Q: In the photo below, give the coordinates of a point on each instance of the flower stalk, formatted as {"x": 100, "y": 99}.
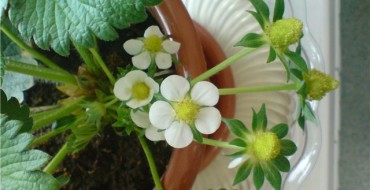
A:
{"x": 58, "y": 158}
{"x": 149, "y": 157}
{"x": 220, "y": 144}
{"x": 101, "y": 63}
{"x": 222, "y": 65}
{"x": 228, "y": 91}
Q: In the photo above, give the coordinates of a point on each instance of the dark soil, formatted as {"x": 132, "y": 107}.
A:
{"x": 109, "y": 162}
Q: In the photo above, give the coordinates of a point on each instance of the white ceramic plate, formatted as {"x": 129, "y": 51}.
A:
{"x": 228, "y": 22}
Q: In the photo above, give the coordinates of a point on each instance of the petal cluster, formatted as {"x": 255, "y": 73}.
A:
{"x": 136, "y": 87}
{"x": 185, "y": 108}
{"x": 141, "y": 119}
{"x": 153, "y": 47}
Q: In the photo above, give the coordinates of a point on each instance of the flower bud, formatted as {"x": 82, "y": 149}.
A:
{"x": 285, "y": 32}
{"x": 318, "y": 84}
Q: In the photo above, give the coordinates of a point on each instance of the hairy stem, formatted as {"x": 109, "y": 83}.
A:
{"x": 222, "y": 65}
{"x": 45, "y": 118}
{"x": 48, "y": 135}
{"x": 151, "y": 163}
{"x": 103, "y": 65}
{"x": 40, "y": 72}
{"x": 29, "y": 49}
{"x": 220, "y": 144}
{"x": 227, "y": 91}
{"x": 87, "y": 57}
{"x": 57, "y": 159}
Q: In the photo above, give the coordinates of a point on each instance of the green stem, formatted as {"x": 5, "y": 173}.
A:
{"x": 102, "y": 65}
{"x": 150, "y": 160}
{"x": 220, "y": 144}
{"x": 48, "y": 135}
{"x": 40, "y": 72}
{"x": 87, "y": 57}
{"x": 33, "y": 52}
{"x": 227, "y": 91}
{"x": 108, "y": 104}
{"x": 45, "y": 118}
{"x": 222, "y": 65}
{"x": 58, "y": 158}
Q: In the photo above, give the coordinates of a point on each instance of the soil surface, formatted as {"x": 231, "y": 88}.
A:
{"x": 109, "y": 162}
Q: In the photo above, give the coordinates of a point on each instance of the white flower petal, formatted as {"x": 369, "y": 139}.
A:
{"x": 175, "y": 88}
{"x": 170, "y": 46}
{"x": 178, "y": 135}
{"x": 154, "y": 86}
{"x": 208, "y": 120}
{"x": 135, "y": 76}
{"x": 152, "y": 134}
{"x": 236, "y": 162}
{"x": 205, "y": 93}
{"x": 142, "y": 61}
{"x": 163, "y": 60}
{"x": 140, "y": 118}
{"x": 161, "y": 115}
{"x": 133, "y": 47}
{"x": 122, "y": 90}
{"x": 153, "y": 30}
{"x": 134, "y": 103}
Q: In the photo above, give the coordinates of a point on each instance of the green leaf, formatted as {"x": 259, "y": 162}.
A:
{"x": 238, "y": 142}
{"x": 281, "y": 130}
{"x": 272, "y": 175}
{"x": 259, "y": 120}
{"x": 3, "y": 5}
{"x": 21, "y": 168}
{"x": 297, "y": 60}
{"x": 258, "y": 176}
{"x": 15, "y": 111}
{"x": 243, "y": 172}
{"x": 262, "y": 9}
{"x": 237, "y": 127}
{"x": 282, "y": 163}
{"x": 252, "y": 40}
{"x": 55, "y": 22}
{"x": 288, "y": 147}
{"x": 278, "y": 10}
{"x": 272, "y": 55}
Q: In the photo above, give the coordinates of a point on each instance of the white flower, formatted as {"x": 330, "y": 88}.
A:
{"x": 186, "y": 107}
{"x": 141, "y": 119}
{"x": 152, "y": 47}
{"x": 136, "y": 88}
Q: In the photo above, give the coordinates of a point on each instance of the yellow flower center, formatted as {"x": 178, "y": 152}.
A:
{"x": 153, "y": 43}
{"x": 266, "y": 146}
{"x": 140, "y": 91}
{"x": 187, "y": 111}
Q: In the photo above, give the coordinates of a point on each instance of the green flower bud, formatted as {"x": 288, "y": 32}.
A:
{"x": 318, "y": 84}
{"x": 285, "y": 32}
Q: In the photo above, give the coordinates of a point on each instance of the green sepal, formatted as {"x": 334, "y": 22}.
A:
{"x": 197, "y": 136}
{"x": 309, "y": 114}
{"x": 258, "y": 176}
{"x": 238, "y": 142}
{"x": 252, "y": 40}
{"x": 262, "y": 9}
{"x": 281, "y": 130}
{"x": 298, "y": 60}
{"x": 259, "y": 120}
{"x": 237, "y": 127}
{"x": 272, "y": 175}
{"x": 288, "y": 147}
{"x": 278, "y": 10}
{"x": 285, "y": 64}
{"x": 243, "y": 172}
{"x": 272, "y": 55}
{"x": 237, "y": 154}
{"x": 259, "y": 19}
{"x": 282, "y": 163}
{"x": 297, "y": 73}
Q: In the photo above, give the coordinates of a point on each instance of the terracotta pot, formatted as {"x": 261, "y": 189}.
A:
{"x": 198, "y": 52}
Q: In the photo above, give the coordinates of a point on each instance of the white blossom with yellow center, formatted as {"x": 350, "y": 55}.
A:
{"x": 152, "y": 47}
{"x": 136, "y": 88}
{"x": 141, "y": 119}
{"x": 185, "y": 107}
